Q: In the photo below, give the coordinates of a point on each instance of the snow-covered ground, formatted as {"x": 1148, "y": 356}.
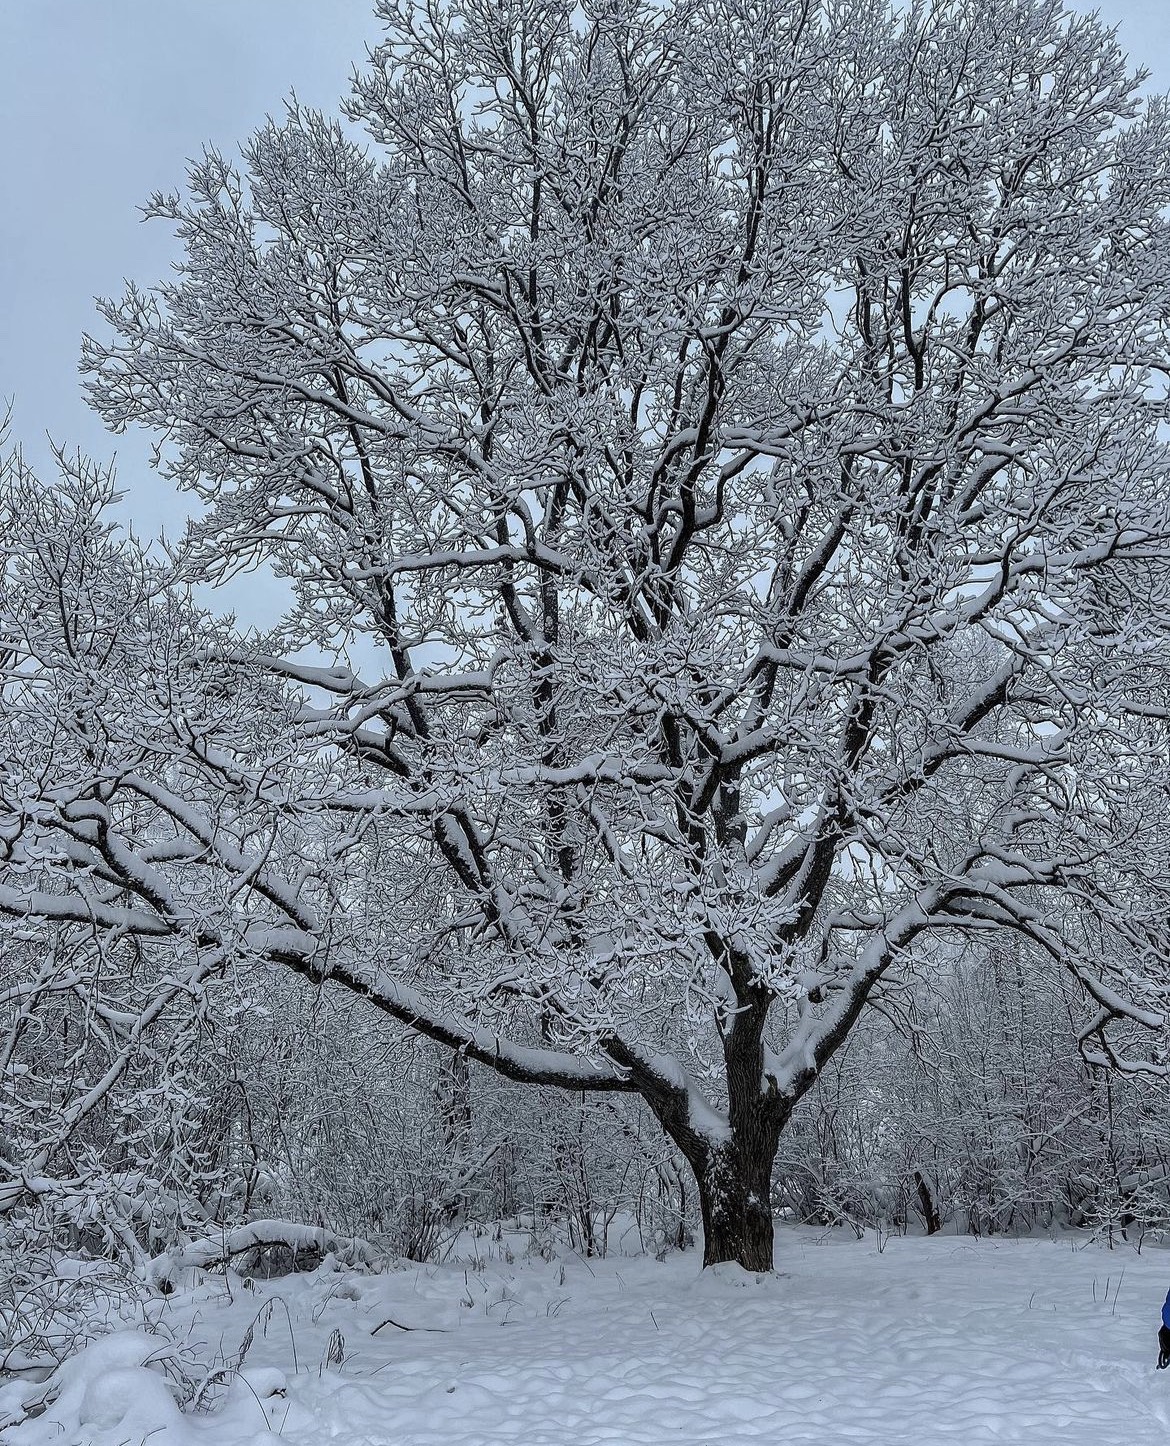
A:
{"x": 923, "y": 1341}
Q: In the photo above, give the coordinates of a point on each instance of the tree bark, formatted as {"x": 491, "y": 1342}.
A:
{"x": 735, "y": 1178}
{"x": 735, "y": 1198}
{"x": 930, "y": 1215}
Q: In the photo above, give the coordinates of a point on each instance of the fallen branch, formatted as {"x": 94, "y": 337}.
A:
{"x": 217, "y": 1250}
{"x": 398, "y": 1326}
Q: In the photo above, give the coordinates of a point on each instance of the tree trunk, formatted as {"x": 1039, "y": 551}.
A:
{"x": 731, "y": 1156}
{"x": 930, "y": 1215}
{"x": 735, "y": 1176}
{"x": 735, "y": 1190}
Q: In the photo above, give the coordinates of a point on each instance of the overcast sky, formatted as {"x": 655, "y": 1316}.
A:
{"x": 102, "y": 102}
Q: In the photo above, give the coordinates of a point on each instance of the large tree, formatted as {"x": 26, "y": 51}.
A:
{"x": 714, "y": 451}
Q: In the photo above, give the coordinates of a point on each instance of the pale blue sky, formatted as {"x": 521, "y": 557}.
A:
{"x": 102, "y": 101}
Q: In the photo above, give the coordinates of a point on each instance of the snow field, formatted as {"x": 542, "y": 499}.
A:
{"x": 947, "y": 1339}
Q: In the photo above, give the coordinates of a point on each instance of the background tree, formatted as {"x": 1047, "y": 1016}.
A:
{"x": 715, "y": 449}
{"x": 968, "y": 1107}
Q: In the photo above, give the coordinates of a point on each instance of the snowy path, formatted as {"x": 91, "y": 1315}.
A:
{"x": 943, "y": 1340}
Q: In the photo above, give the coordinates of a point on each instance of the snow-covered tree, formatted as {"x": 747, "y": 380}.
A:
{"x": 714, "y": 451}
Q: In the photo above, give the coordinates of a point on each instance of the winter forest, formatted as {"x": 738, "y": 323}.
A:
{"x": 702, "y": 822}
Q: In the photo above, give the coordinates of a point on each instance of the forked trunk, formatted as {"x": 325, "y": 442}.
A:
{"x": 731, "y": 1154}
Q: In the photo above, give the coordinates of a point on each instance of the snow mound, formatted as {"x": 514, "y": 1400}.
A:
{"x": 107, "y": 1389}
